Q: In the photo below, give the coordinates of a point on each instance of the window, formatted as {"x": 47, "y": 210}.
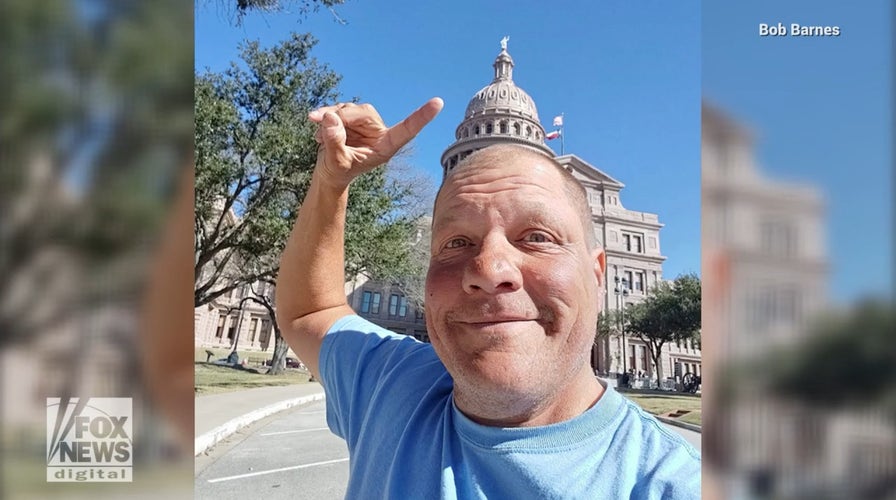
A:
{"x": 631, "y": 358}
{"x": 633, "y": 242}
{"x": 778, "y": 238}
{"x": 476, "y": 130}
{"x": 516, "y": 129}
{"x": 402, "y": 306}
{"x": 503, "y": 127}
{"x": 488, "y": 128}
{"x": 639, "y": 282}
{"x": 628, "y": 279}
{"x": 642, "y": 350}
{"x": 221, "y": 320}
{"x": 265, "y": 336}
{"x": 393, "y": 305}
{"x": 773, "y": 305}
{"x": 232, "y": 330}
{"x": 370, "y": 302}
{"x": 253, "y": 329}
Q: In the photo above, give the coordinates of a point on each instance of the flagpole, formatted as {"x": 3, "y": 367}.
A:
{"x": 561, "y": 134}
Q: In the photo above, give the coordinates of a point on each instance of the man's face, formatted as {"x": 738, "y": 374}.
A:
{"x": 512, "y": 293}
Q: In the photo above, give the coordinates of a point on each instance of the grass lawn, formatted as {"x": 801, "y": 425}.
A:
{"x": 26, "y": 478}
{"x": 693, "y": 417}
{"x": 211, "y": 379}
{"x": 659, "y": 403}
{"x": 222, "y": 352}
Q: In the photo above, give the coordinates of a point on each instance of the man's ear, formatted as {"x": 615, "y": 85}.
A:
{"x": 600, "y": 266}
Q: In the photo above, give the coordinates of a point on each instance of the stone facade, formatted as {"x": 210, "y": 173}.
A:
{"x": 389, "y": 306}
{"x": 217, "y": 323}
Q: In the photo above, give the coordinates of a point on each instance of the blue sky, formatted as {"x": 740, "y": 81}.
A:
{"x": 626, "y": 75}
{"x": 821, "y": 109}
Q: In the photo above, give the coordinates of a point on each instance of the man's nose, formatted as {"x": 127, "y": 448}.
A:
{"x": 493, "y": 269}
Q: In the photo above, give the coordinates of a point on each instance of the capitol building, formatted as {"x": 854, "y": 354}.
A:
{"x": 500, "y": 113}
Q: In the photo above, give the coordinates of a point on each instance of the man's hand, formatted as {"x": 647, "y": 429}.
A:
{"x": 354, "y": 139}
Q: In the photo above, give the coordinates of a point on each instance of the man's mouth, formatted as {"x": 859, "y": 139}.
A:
{"x": 485, "y": 322}
{"x": 498, "y": 320}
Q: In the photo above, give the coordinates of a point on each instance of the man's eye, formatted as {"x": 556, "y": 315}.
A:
{"x": 456, "y": 243}
{"x": 537, "y": 237}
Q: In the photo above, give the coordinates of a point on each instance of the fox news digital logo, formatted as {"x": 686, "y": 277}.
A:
{"x": 89, "y": 440}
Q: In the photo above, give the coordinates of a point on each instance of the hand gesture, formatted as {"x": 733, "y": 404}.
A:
{"x": 353, "y": 138}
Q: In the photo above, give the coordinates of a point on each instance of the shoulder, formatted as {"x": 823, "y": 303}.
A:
{"x": 669, "y": 466}
{"x": 358, "y": 352}
{"x": 353, "y": 336}
{"x": 653, "y": 430}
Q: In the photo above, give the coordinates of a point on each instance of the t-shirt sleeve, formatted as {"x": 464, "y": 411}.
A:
{"x": 676, "y": 470}
{"x": 358, "y": 363}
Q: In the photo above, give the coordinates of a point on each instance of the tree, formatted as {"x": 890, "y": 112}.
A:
{"x": 301, "y": 7}
{"x": 94, "y": 129}
{"x": 846, "y": 360}
{"x": 255, "y": 153}
{"x": 670, "y": 313}
{"x": 304, "y": 6}
{"x": 607, "y": 324}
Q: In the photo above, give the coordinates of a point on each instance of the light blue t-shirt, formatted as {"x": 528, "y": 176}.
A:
{"x": 390, "y": 397}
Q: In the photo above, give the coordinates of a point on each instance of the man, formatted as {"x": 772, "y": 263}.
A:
{"x": 503, "y": 403}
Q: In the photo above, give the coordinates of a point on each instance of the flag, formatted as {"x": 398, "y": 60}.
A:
{"x": 558, "y": 121}
{"x": 553, "y": 135}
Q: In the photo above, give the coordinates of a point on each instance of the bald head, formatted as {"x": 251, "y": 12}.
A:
{"x": 502, "y": 153}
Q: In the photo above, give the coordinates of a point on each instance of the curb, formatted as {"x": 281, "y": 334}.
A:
{"x": 207, "y": 440}
{"x": 676, "y": 423}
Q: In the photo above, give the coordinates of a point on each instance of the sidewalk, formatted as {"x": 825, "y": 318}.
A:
{"x": 220, "y": 415}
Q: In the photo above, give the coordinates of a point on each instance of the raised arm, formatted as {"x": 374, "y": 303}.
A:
{"x": 311, "y": 286}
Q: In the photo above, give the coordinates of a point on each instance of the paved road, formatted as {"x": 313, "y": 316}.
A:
{"x": 289, "y": 455}
{"x": 690, "y": 436}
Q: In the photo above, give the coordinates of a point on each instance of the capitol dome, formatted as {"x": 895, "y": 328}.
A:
{"x": 502, "y": 95}
{"x": 499, "y": 113}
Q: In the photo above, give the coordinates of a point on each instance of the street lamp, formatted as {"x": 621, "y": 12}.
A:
{"x": 621, "y": 291}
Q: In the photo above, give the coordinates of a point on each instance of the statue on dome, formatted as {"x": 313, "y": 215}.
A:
{"x": 504, "y": 42}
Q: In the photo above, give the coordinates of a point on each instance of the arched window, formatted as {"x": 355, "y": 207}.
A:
{"x": 503, "y": 127}
{"x": 528, "y": 131}
{"x": 488, "y": 128}
{"x": 476, "y": 130}
{"x": 516, "y": 129}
